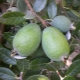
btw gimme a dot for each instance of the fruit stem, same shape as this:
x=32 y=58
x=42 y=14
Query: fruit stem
x=13 y=53
x=30 y=7
x=21 y=75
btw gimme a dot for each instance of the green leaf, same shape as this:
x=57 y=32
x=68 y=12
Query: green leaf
x=54 y=76
x=13 y=14
x=53 y=66
x=72 y=13
x=63 y=2
x=12 y=18
x=21 y=5
x=29 y=15
x=52 y=9
x=5 y=56
x=76 y=3
x=13 y=9
x=23 y=65
x=69 y=78
x=38 y=63
x=30 y=73
x=10 y=1
x=74 y=69
x=6 y=74
x=39 y=5
x=75 y=13
x=1 y=1
x=7 y=35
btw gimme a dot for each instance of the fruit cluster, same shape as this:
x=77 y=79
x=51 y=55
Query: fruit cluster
x=54 y=43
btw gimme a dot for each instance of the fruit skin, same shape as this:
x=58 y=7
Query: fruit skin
x=27 y=39
x=38 y=77
x=62 y=23
x=54 y=44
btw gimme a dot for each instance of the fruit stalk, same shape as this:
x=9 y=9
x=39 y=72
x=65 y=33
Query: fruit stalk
x=21 y=74
x=29 y=5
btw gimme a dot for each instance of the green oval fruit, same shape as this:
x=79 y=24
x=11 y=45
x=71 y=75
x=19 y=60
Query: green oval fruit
x=27 y=39
x=54 y=44
x=38 y=77
x=62 y=23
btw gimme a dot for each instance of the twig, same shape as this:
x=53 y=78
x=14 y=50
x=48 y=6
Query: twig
x=71 y=57
x=1 y=32
x=60 y=4
x=30 y=7
x=3 y=9
x=61 y=78
x=11 y=4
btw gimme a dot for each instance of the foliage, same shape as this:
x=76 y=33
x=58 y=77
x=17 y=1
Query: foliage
x=17 y=15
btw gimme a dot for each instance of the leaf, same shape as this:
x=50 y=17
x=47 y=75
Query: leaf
x=29 y=15
x=74 y=69
x=1 y=1
x=5 y=56
x=53 y=66
x=10 y=1
x=7 y=35
x=63 y=3
x=7 y=74
x=23 y=65
x=38 y=63
x=70 y=14
x=69 y=78
x=54 y=76
x=52 y=9
x=13 y=14
x=13 y=9
x=21 y=5
x=39 y=5
x=76 y=3
x=75 y=13
x=30 y=73
x=12 y=18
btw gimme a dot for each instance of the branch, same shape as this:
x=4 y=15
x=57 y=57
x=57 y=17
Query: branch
x=11 y=4
x=71 y=57
x=3 y=9
x=1 y=32
x=62 y=7
x=30 y=7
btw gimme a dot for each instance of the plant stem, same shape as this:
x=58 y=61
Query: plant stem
x=12 y=2
x=71 y=57
x=31 y=9
x=3 y=9
x=60 y=4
